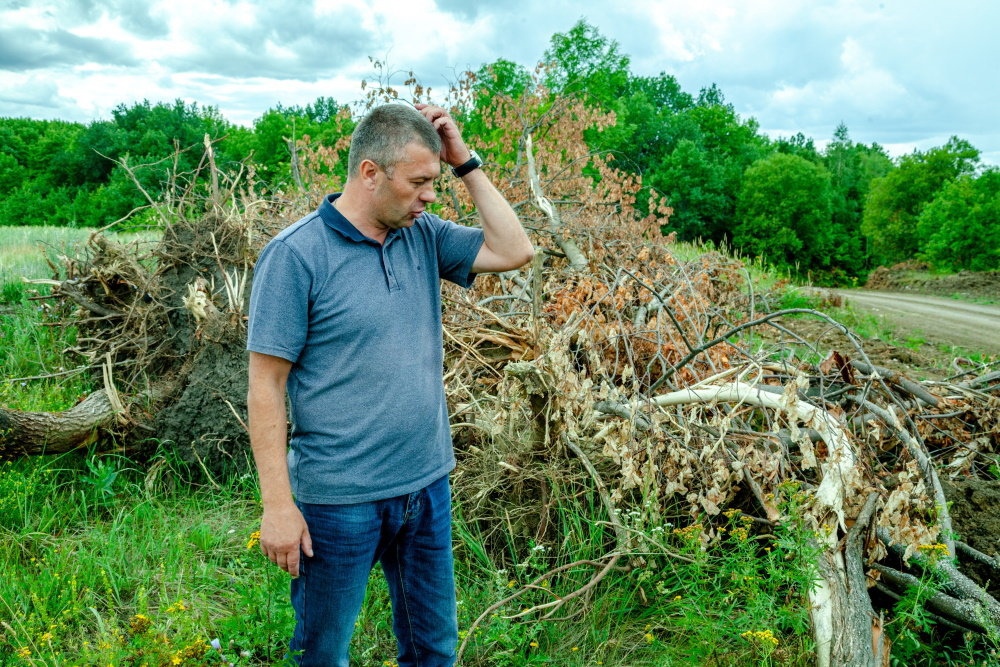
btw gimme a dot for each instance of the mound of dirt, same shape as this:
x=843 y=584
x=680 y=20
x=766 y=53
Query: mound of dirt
x=973 y=511
x=917 y=277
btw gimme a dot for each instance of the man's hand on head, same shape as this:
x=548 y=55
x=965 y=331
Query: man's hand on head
x=453 y=148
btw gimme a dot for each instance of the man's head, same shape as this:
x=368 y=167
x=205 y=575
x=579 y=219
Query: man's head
x=384 y=133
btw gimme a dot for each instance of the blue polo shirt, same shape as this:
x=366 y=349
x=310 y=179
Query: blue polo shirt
x=361 y=323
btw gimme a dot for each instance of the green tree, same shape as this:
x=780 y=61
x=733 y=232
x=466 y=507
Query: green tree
x=706 y=149
x=798 y=144
x=584 y=62
x=502 y=77
x=783 y=213
x=896 y=200
x=852 y=168
x=962 y=224
x=643 y=112
x=36 y=171
x=274 y=144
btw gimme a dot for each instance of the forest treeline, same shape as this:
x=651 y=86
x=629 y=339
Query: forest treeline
x=832 y=213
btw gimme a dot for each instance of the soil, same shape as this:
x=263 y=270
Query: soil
x=976 y=521
x=916 y=277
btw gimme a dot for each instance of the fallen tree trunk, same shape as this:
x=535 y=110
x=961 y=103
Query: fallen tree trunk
x=36 y=433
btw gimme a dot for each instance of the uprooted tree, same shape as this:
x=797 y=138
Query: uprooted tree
x=616 y=358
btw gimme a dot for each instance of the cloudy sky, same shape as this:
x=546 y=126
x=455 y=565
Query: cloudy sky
x=907 y=74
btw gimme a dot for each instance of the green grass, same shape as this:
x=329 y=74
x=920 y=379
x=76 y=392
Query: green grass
x=109 y=564
x=111 y=568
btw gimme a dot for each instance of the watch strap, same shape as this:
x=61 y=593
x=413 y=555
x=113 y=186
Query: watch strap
x=474 y=162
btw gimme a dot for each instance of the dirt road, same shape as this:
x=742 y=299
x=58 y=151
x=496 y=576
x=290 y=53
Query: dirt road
x=935 y=319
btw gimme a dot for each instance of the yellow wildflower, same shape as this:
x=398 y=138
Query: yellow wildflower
x=177 y=607
x=934 y=550
x=140 y=624
x=254 y=540
x=762 y=637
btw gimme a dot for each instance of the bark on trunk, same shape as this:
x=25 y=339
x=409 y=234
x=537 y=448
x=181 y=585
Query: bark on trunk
x=35 y=433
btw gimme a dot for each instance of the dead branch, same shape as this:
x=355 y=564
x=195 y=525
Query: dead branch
x=566 y=243
x=898 y=379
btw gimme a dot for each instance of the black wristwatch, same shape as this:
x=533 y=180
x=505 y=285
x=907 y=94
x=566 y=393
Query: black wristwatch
x=474 y=162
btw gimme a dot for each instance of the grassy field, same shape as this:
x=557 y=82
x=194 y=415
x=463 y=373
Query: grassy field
x=106 y=562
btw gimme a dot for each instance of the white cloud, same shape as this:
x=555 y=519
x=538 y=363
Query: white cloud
x=897 y=72
x=861 y=87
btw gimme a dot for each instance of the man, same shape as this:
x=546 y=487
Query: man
x=345 y=319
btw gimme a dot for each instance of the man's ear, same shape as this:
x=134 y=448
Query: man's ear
x=368 y=171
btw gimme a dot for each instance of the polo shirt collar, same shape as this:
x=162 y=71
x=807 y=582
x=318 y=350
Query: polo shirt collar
x=333 y=219
x=336 y=221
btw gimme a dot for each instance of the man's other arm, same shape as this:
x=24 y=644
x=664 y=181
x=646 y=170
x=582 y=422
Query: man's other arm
x=283 y=531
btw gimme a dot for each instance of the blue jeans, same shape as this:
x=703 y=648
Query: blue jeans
x=411 y=536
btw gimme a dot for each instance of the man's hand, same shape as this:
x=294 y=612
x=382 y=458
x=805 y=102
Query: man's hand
x=453 y=148
x=283 y=536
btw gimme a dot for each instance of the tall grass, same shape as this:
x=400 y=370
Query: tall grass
x=108 y=564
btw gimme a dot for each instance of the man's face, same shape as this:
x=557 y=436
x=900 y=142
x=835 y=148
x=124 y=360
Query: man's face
x=404 y=195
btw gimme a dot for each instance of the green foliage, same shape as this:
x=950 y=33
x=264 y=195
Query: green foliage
x=792 y=297
x=852 y=168
x=102 y=473
x=783 y=213
x=914 y=625
x=282 y=131
x=739 y=599
x=127 y=584
x=68 y=174
x=502 y=77
x=701 y=168
x=584 y=62
x=896 y=200
x=960 y=227
x=800 y=145
x=33 y=372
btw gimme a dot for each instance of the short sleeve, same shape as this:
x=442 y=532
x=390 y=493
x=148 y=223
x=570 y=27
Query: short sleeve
x=279 y=303
x=457 y=248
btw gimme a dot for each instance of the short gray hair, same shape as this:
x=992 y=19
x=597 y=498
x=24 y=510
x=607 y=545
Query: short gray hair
x=385 y=131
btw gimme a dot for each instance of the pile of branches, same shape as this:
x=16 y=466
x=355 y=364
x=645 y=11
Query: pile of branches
x=641 y=372
x=617 y=355
x=643 y=379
